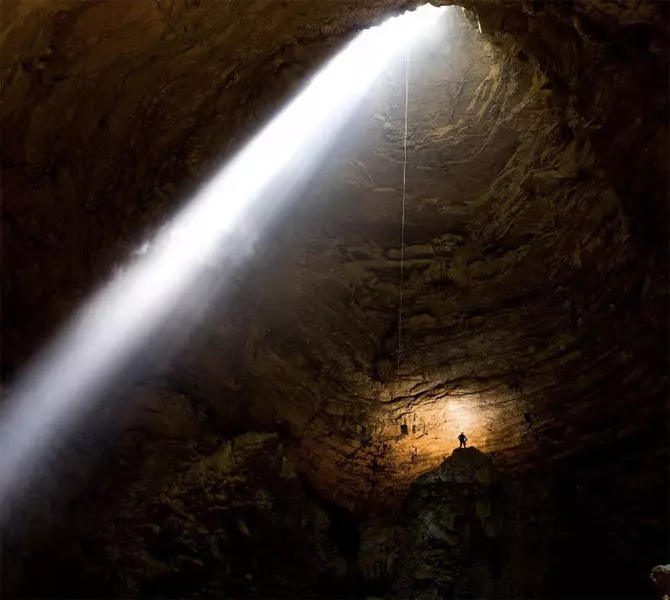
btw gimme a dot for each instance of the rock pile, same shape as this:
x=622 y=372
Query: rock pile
x=466 y=532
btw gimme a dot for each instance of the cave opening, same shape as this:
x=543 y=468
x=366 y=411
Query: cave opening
x=295 y=445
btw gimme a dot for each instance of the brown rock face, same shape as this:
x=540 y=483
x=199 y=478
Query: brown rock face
x=214 y=522
x=534 y=268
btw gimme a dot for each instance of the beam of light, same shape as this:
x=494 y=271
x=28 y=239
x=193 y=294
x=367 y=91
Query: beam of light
x=220 y=224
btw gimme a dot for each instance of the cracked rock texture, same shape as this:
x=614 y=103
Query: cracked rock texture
x=535 y=271
x=464 y=532
x=205 y=518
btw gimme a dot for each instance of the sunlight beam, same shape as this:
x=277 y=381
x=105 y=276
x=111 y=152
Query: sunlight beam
x=109 y=332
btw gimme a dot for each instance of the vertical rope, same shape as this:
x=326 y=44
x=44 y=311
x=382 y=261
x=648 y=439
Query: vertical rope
x=402 y=221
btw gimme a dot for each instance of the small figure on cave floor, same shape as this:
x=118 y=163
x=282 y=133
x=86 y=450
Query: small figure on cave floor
x=462 y=439
x=403 y=429
x=527 y=418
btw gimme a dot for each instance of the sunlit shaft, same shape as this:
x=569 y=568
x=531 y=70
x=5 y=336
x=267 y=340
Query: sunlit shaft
x=84 y=360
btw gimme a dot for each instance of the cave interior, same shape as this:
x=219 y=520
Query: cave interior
x=482 y=247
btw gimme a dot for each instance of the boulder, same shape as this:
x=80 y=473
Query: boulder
x=660 y=575
x=465 y=531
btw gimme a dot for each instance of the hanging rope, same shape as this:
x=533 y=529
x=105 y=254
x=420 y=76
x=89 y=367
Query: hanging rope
x=402 y=220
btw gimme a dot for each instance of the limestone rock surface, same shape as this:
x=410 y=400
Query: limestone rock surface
x=464 y=531
x=535 y=267
x=234 y=523
x=660 y=575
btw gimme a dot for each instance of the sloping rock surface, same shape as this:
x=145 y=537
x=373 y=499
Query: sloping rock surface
x=234 y=523
x=465 y=531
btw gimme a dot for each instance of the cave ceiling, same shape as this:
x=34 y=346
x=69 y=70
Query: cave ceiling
x=534 y=273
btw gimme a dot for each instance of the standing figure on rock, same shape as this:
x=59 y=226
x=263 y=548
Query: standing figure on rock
x=462 y=439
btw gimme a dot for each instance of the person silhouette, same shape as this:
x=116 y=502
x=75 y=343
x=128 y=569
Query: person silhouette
x=462 y=439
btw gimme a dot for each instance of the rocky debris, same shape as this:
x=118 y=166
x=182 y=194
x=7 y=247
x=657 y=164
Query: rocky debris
x=380 y=547
x=464 y=531
x=234 y=523
x=660 y=575
x=465 y=465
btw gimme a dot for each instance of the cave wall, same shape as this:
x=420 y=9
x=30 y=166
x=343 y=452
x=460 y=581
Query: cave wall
x=176 y=512
x=87 y=86
x=538 y=303
x=465 y=530
x=75 y=107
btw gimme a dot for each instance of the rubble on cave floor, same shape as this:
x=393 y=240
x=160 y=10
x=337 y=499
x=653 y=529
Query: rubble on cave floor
x=660 y=575
x=465 y=531
x=241 y=522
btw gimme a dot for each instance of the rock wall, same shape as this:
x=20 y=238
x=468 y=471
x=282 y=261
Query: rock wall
x=535 y=282
x=463 y=531
x=169 y=516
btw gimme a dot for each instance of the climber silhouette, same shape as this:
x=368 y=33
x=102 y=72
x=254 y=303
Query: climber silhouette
x=462 y=439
